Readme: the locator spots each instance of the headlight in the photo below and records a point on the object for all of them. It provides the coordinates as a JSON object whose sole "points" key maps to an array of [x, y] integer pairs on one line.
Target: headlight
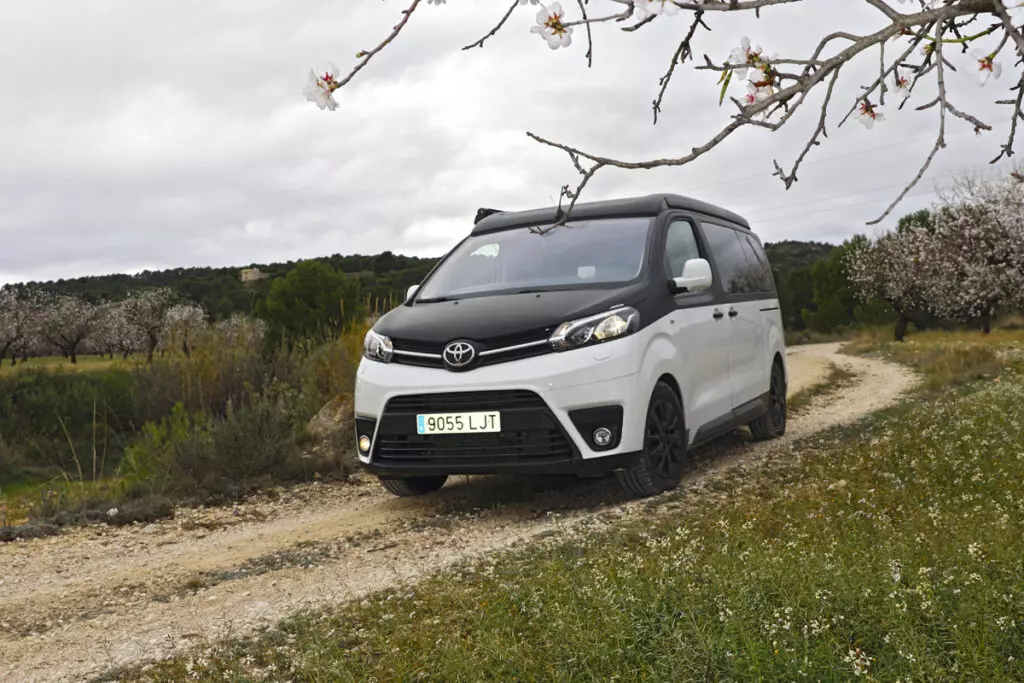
{"points": [[595, 329], [377, 347]]}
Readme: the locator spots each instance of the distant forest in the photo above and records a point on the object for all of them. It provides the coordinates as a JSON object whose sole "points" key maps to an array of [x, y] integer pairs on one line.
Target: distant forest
{"points": [[221, 291], [383, 279]]}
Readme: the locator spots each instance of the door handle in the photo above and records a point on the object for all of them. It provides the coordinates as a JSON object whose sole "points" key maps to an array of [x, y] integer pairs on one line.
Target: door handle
{"points": [[733, 313], [718, 315]]}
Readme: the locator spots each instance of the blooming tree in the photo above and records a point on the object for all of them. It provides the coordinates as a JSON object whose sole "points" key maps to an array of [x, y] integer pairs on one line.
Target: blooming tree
{"points": [[67, 321], [16, 315], [915, 41], [242, 330], [115, 333], [899, 268], [182, 326], [965, 262], [147, 313], [979, 233]]}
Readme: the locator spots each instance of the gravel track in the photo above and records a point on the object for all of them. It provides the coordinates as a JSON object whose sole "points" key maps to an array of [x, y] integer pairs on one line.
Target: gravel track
{"points": [[75, 605]]}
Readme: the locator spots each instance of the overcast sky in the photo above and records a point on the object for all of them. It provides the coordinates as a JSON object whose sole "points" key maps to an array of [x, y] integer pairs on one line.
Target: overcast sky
{"points": [[141, 134]]}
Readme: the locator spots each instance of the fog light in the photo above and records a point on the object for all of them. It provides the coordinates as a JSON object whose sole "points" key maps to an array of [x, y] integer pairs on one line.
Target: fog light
{"points": [[602, 436], [364, 444]]}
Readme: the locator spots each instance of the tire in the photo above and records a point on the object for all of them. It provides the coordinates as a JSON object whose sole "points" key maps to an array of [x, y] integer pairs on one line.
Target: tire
{"points": [[413, 486], [772, 424], [661, 465]]}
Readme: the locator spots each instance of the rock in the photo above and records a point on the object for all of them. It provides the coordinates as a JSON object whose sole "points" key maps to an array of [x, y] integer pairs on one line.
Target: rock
{"points": [[334, 418]]}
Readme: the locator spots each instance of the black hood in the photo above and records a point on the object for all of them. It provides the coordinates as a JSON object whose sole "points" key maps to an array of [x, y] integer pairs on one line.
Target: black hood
{"points": [[499, 318]]}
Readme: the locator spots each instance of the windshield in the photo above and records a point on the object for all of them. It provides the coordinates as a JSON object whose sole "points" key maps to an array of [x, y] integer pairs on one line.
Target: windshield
{"points": [[600, 251]]}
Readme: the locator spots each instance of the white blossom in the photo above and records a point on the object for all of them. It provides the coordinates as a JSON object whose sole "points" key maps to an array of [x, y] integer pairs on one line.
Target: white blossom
{"points": [[986, 66], [646, 8], [901, 86], [744, 57], [551, 26], [868, 113], [321, 85]]}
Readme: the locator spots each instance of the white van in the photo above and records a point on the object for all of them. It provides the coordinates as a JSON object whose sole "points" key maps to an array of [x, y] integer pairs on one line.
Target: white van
{"points": [[640, 329]]}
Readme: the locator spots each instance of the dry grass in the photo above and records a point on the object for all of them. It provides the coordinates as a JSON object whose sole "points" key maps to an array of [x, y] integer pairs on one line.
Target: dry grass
{"points": [[947, 358], [85, 364]]}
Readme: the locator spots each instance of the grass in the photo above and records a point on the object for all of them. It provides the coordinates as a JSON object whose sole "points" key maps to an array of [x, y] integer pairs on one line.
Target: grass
{"points": [[906, 531], [947, 358], [85, 364]]}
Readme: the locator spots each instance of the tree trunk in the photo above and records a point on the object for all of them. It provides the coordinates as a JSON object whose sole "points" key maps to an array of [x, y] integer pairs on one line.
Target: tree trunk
{"points": [[901, 327], [986, 323], [73, 353]]}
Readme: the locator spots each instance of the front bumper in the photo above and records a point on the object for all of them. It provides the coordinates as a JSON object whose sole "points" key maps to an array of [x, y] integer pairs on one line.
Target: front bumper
{"points": [[537, 397]]}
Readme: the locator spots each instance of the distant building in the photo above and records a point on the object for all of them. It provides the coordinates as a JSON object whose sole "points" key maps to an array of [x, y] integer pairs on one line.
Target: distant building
{"points": [[252, 275]]}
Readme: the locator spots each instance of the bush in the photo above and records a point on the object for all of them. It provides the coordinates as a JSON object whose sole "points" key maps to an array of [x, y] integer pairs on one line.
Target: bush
{"points": [[203, 426], [199, 458], [51, 419]]}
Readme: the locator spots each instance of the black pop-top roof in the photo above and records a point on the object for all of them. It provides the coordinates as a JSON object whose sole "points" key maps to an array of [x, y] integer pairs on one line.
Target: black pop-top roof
{"points": [[650, 205]]}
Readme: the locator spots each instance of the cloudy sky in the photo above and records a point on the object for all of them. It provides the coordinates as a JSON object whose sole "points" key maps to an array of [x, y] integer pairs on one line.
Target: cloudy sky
{"points": [[141, 134]]}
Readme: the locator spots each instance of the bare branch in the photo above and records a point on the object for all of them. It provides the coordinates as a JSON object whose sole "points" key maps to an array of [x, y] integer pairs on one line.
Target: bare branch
{"points": [[1007, 149], [790, 178], [590, 42], [940, 141], [508, 13], [681, 54], [366, 56], [1011, 30]]}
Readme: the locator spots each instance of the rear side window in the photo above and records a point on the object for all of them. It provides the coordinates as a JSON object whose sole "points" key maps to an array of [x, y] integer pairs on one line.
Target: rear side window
{"points": [[740, 269], [680, 246], [756, 257]]}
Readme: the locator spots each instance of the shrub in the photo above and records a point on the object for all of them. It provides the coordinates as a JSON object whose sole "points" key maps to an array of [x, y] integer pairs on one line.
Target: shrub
{"points": [[50, 419]]}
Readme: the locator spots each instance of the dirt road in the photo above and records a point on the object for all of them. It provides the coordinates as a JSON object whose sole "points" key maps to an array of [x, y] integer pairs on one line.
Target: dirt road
{"points": [[75, 605]]}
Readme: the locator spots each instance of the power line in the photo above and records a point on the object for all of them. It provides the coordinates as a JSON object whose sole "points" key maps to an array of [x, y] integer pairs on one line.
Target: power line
{"points": [[837, 157], [902, 184], [913, 193]]}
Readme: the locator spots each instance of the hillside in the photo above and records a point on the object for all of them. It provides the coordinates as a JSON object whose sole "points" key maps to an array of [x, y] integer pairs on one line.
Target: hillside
{"points": [[221, 291], [789, 255], [382, 277]]}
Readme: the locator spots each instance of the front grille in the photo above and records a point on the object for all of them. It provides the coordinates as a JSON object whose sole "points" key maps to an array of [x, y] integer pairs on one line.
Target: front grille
{"points": [[530, 433], [497, 343]]}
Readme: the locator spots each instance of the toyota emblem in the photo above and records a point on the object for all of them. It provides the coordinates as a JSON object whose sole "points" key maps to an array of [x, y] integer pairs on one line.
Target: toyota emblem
{"points": [[459, 354]]}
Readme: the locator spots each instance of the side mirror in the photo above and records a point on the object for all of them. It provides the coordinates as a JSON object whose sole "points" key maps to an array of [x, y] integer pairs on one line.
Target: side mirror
{"points": [[409, 293], [696, 276]]}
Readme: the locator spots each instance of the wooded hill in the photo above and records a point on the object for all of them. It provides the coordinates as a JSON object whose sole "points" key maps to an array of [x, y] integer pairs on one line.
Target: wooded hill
{"points": [[382, 278]]}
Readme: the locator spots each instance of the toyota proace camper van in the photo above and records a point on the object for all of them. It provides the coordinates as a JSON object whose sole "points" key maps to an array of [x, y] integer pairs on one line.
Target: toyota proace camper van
{"points": [[638, 330]]}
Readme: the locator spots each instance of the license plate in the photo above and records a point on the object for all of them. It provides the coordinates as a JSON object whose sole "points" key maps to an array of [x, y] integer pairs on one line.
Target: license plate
{"points": [[458, 423]]}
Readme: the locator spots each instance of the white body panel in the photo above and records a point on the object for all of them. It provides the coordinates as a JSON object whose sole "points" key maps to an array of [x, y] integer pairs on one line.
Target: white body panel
{"points": [[688, 344]]}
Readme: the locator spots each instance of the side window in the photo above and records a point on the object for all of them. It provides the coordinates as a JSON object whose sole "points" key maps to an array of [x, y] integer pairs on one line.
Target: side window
{"points": [[761, 272], [680, 246], [727, 251]]}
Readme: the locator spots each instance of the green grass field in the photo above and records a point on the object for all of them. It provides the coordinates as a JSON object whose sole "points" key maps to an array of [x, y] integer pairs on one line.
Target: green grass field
{"points": [[85, 363], [890, 550]]}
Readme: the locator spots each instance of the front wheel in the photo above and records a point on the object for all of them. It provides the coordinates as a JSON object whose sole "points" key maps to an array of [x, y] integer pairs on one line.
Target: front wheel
{"points": [[772, 423], [663, 459], [413, 486]]}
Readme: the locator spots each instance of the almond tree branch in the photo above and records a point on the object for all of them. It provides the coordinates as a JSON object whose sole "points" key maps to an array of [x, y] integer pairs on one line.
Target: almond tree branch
{"points": [[940, 141], [1007, 149], [1011, 30], [790, 178], [590, 41], [508, 13], [366, 56], [683, 52]]}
